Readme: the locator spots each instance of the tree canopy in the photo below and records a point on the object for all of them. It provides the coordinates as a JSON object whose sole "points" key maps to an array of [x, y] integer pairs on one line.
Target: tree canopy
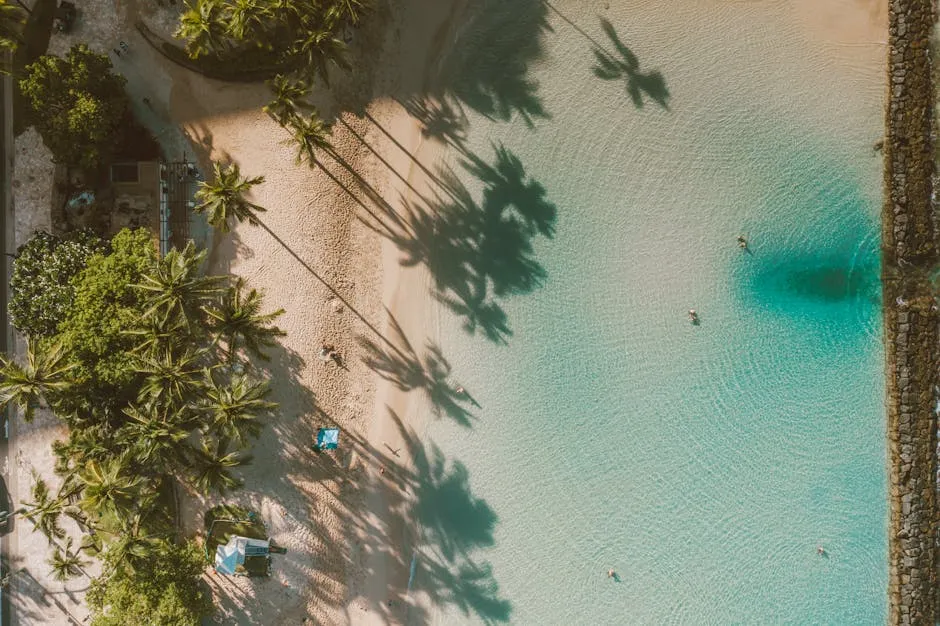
{"points": [[77, 104], [306, 35], [151, 368], [105, 306], [12, 19], [164, 588]]}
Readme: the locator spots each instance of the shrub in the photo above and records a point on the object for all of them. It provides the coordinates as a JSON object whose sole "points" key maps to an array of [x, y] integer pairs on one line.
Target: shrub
{"points": [[41, 286]]}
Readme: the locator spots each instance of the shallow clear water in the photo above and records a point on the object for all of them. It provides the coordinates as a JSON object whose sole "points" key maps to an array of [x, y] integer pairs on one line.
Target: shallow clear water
{"points": [[703, 463]]}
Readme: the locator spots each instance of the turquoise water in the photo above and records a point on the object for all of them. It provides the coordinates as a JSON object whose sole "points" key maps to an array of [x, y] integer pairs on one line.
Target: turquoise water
{"points": [[704, 464]]}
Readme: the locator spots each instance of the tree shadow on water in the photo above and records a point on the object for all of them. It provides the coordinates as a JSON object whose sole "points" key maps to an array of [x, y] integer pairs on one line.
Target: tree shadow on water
{"points": [[479, 253], [625, 65], [407, 371], [452, 525], [487, 67]]}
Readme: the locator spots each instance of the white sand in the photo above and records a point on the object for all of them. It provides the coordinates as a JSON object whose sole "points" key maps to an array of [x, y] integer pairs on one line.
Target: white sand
{"points": [[341, 519]]}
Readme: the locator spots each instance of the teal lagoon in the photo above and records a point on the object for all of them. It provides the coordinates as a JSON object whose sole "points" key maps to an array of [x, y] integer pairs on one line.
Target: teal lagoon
{"points": [[702, 463]]}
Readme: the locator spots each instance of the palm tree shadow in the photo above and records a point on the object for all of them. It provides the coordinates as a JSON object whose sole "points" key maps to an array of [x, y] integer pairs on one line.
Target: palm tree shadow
{"points": [[487, 68], [407, 371], [453, 525], [481, 252], [439, 119], [625, 65]]}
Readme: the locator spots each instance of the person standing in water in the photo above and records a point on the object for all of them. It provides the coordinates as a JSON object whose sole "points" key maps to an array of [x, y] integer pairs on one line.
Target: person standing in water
{"points": [[742, 242]]}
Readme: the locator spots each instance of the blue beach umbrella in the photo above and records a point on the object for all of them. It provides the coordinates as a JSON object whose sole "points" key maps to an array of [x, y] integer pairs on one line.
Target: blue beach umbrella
{"points": [[328, 438]]}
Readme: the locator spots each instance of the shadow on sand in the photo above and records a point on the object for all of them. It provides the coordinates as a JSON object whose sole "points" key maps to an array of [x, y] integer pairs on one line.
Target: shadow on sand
{"points": [[408, 372]]}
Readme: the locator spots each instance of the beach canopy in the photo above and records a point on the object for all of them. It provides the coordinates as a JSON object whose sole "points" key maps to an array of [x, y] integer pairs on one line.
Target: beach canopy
{"points": [[234, 553], [328, 438]]}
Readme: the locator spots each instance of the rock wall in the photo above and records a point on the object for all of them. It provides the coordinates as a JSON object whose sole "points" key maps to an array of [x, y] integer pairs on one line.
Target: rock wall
{"points": [[911, 318]]}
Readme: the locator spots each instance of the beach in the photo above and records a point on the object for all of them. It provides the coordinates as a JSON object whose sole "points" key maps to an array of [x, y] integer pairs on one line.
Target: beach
{"points": [[341, 519], [598, 429]]}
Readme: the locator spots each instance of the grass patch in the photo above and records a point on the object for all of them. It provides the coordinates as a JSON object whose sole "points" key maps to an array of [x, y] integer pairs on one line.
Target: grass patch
{"points": [[36, 35], [228, 520]]}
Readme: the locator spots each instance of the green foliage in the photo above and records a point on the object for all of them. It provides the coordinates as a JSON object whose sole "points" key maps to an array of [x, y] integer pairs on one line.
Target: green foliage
{"points": [[77, 105], [176, 286], [306, 34], [42, 289], [37, 32], [223, 197], [45, 376], [308, 135], [146, 368], [164, 589], [236, 320], [105, 306], [12, 19]]}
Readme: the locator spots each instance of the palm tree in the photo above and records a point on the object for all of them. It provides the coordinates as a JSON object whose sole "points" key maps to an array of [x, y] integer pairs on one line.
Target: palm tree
{"points": [[289, 96], [343, 10], [309, 135], [170, 378], [174, 289], [213, 465], [133, 548], [12, 18], [237, 320], [224, 197], [44, 376], [154, 437], [84, 443], [318, 46], [107, 487], [155, 334], [65, 563], [247, 20], [202, 27], [44, 511], [234, 409]]}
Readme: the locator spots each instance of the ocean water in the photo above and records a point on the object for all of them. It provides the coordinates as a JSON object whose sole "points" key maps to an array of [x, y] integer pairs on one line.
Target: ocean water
{"points": [[703, 463]]}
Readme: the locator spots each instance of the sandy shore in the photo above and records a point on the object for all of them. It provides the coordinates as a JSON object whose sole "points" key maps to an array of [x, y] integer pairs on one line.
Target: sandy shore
{"points": [[344, 518]]}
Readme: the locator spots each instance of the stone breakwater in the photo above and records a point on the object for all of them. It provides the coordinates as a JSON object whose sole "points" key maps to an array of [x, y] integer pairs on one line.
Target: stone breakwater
{"points": [[909, 255]]}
